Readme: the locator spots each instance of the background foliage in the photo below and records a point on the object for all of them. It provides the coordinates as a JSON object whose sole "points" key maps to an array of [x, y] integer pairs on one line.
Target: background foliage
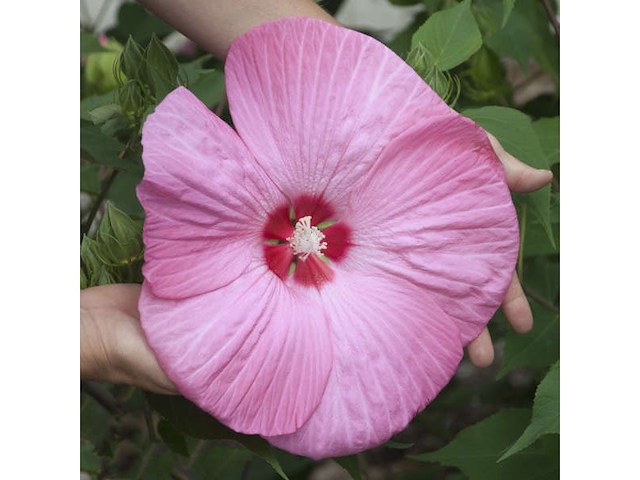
{"points": [[495, 61]]}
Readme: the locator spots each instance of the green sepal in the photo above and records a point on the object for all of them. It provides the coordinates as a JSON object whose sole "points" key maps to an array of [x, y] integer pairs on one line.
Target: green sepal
{"points": [[119, 238], [161, 68], [131, 61]]}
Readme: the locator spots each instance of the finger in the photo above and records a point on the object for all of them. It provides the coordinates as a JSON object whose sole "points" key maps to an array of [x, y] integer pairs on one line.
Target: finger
{"points": [[521, 178], [516, 307], [481, 350]]}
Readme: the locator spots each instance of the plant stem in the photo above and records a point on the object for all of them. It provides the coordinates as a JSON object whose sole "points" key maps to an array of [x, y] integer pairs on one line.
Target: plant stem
{"points": [[222, 104], [540, 299], [144, 463], [523, 231], [245, 470], [148, 420], [201, 446], [104, 191], [96, 205], [552, 17]]}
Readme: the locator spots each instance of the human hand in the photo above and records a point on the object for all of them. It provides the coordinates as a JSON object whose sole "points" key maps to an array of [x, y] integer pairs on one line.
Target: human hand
{"points": [[113, 347], [521, 178]]}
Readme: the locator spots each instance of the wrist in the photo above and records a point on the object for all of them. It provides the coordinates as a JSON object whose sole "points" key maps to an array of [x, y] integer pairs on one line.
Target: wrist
{"points": [[95, 358], [215, 25]]}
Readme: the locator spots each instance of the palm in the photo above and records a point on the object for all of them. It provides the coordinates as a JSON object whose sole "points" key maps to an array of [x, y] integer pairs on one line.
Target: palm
{"points": [[127, 358]]}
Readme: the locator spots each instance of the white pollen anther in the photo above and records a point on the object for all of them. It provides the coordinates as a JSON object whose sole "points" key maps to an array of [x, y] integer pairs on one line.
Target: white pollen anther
{"points": [[306, 239]]}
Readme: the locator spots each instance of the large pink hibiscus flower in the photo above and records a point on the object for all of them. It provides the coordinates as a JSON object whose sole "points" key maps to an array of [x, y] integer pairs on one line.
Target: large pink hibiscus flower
{"points": [[313, 276]]}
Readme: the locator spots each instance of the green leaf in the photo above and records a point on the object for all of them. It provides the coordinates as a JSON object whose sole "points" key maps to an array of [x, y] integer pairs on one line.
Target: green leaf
{"points": [[538, 348], [546, 412], [220, 462], [154, 464], [123, 193], [94, 101], [103, 113], [90, 178], [398, 445], [476, 449], [540, 201], [191, 71], [100, 148], [351, 465], [548, 131], [514, 131], [162, 68], [209, 87], [173, 438], [89, 44], [507, 7], [537, 241], [118, 126], [263, 450], [542, 275], [89, 459], [188, 418], [450, 36], [489, 14], [95, 422]]}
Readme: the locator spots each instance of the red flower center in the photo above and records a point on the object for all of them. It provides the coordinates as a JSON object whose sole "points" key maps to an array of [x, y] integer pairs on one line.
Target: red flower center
{"points": [[302, 239]]}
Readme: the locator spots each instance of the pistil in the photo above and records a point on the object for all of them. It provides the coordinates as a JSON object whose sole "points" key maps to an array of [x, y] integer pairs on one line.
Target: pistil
{"points": [[307, 239]]}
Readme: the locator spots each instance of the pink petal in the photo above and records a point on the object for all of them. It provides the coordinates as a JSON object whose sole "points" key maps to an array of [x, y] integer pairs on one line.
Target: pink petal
{"points": [[254, 354], [394, 350], [435, 210], [316, 103], [205, 199]]}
